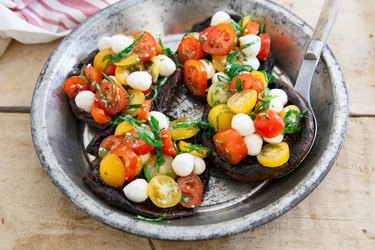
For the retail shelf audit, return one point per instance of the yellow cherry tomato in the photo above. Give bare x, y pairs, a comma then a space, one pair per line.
98, 59
218, 93
128, 60
220, 117
243, 102
274, 155
112, 170
136, 97
184, 132
260, 76
219, 62
121, 73
245, 21
155, 68
123, 128
163, 191
287, 108
197, 150
165, 169
139, 166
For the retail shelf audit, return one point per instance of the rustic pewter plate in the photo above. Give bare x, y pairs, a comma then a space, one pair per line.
228, 207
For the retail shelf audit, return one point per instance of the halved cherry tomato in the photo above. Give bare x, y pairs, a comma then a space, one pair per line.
114, 100
145, 47
248, 81
190, 48
110, 143
165, 169
132, 141
243, 102
99, 115
110, 70
268, 124
251, 28
230, 145
163, 191
112, 171
93, 75
168, 147
183, 132
220, 117
274, 155
73, 85
219, 39
191, 187
265, 46
98, 59
195, 77
144, 109
132, 162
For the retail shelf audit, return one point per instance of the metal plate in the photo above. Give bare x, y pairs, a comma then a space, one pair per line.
228, 207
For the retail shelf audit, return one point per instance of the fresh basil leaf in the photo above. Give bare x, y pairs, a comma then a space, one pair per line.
163, 217
238, 84
106, 57
184, 199
126, 51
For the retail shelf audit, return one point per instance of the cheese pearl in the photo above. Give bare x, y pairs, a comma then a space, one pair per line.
280, 94
220, 77
274, 140
140, 80
104, 43
243, 124
254, 144
167, 65
162, 119
250, 44
145, 158
251, 61
183, 164
219, 17
210, 70
276, 105
136, 190
84, 100
120, 42
199, 165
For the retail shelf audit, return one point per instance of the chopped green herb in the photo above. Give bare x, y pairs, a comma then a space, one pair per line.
163, 217
147, 173
102, 152
184, 198
237, 28
222, 78
292, 121
246, 45
262, 28
116, 83
165, 51
269, 77
126, 51
154, 125
198, 124
219, 141
199, 149
102, 96
106, 57
265, 98
238, 84
133, 106
201, 39
146, 135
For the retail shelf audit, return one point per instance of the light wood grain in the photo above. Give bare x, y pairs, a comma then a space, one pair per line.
35, 215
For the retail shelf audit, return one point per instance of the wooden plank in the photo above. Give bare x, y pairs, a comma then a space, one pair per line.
35, 215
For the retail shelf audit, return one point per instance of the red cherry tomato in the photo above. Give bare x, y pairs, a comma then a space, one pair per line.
219, 39
191, 187
251, 28
265, 46
195, 77
130, 160
168, 147
92, 74
114, 100
110, 70
99, 115
144, 109
190, 48
248, 81
145, 47
148, 91
268, 124
230, 145
111, 142
159, 49
139, 146
73, 85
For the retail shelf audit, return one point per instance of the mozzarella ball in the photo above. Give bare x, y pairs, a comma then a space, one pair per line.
183, 164
243, 124
219, 17
136, 190
120, 42
199, 165
276, 105
209, 68
84, 100
167, 65
140, 80
254, 144
251, 44
222, 76
162, 119
104, 43
280, 94
251, 61
274, 140
145, 158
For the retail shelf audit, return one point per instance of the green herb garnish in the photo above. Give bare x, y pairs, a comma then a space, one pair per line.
102, 152
106, 57
147, 173
198, 124
102, 96
293, 120
116, 83
262, 28
133, 106
126, 51
199, 149
154, 125
140, 217
184, 199
265, 98
238, 84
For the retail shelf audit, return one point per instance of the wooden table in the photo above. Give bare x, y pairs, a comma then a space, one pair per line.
338, 214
